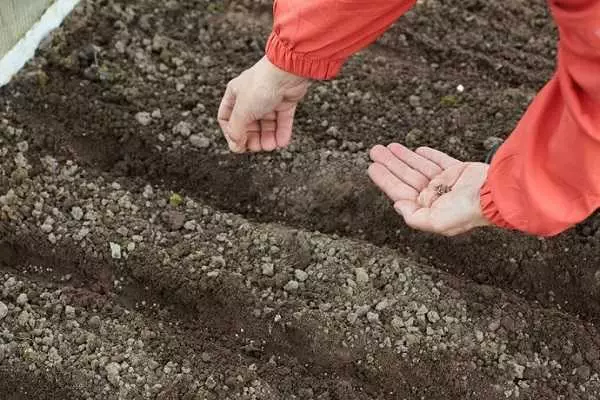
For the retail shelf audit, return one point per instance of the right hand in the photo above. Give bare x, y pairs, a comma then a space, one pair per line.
257, 110
431, 190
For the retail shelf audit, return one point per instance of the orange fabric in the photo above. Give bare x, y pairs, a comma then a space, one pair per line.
546, 177
313, 38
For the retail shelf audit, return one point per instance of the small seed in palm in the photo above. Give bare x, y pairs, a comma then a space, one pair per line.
442, 189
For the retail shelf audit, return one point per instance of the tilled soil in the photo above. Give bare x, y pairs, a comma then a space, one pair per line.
139, 259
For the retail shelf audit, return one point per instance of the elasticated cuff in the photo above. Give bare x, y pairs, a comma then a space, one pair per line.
490, 210
300, 64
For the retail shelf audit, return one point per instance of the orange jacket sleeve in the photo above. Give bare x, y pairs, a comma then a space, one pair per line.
313, 38
546, 176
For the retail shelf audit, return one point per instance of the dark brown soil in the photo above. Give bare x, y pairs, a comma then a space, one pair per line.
86, 113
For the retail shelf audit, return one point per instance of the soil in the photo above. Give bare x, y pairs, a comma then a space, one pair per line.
140, 259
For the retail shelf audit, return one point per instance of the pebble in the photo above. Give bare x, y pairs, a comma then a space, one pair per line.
210, 382
143, 118
352, 318
183, 128
433, 316
112, 373
382, 305
115, 251
94, 322
174, 219
23, 318
479, 336
268, 269
70, 312
397, 323
584, 372
361, 275
291, 286
77, 213
22, 299
23, 146
301, 276
373, 317
494, 326
190, 225
3, 311
199, 141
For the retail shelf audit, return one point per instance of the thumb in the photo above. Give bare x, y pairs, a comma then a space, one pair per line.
237, 134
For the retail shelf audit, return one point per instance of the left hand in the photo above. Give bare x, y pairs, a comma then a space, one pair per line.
431, 190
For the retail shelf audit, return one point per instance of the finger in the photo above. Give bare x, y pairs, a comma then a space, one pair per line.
393, 187
241, 117
226, 106
285, 121
402, 171
415, 161
272, 116
253, 142
427, 197
267, 135
414, 216
443, 160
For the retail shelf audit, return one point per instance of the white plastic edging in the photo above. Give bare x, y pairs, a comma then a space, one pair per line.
24, 50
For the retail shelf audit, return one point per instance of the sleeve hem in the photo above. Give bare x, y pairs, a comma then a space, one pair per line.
490, 210
300, 64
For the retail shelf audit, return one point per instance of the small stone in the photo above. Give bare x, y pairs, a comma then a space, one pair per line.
22, 299
23, 318
433, 316
210, 382
81, 234
414, 101
23, 146
268, 269
301, 276
70, 312
494, 326
77, 213
199, 141
190, 225
361, 276
479, 336
205, 357
174, 219
584, 372
3, 311
382, 305
508, 323
352, 318
143, 118
291, 286
460, 88
183, 128
94, 322
112, 373
397, 323
46, 228
373, 317
115, 251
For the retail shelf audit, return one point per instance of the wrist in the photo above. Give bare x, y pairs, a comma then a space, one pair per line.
282, 78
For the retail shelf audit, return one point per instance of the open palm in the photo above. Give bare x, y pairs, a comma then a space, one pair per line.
433, 191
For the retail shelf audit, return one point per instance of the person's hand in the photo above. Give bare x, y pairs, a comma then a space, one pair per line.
257, 110
431, 190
